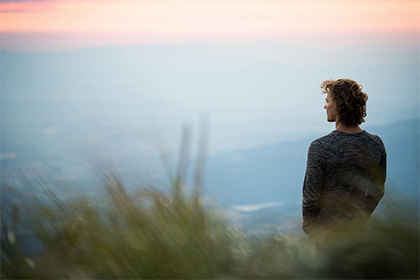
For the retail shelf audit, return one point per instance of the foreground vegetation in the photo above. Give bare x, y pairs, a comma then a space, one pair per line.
150, 234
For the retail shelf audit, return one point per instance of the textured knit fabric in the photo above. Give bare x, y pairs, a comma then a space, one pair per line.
344, 180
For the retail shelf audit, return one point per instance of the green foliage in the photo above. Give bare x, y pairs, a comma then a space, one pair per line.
146, 235
13, 263
151, 234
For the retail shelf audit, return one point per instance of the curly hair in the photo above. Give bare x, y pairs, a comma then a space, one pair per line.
349, 99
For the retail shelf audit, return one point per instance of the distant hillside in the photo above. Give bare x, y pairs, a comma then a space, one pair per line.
275, 172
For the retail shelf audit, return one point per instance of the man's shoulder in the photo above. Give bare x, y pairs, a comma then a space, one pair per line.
323, 141
375, 138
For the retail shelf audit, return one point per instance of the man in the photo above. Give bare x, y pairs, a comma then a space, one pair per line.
346, 169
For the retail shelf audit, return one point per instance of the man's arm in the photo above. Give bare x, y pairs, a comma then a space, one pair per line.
312, 186
374, 196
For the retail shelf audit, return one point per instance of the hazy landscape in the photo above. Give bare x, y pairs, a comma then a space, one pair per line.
61, 112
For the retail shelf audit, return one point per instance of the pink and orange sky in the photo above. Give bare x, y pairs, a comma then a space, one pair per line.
32, 25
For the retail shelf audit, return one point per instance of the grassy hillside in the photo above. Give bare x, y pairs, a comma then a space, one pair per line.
148, 234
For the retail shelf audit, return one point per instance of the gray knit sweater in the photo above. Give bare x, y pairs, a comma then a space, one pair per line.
344, 180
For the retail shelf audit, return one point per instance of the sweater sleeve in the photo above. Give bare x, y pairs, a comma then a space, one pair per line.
374, 196
312, 186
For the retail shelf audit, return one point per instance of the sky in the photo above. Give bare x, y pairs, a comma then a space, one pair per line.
99, 70
69, 24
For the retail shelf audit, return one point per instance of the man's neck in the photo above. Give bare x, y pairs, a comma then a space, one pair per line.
348, 128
